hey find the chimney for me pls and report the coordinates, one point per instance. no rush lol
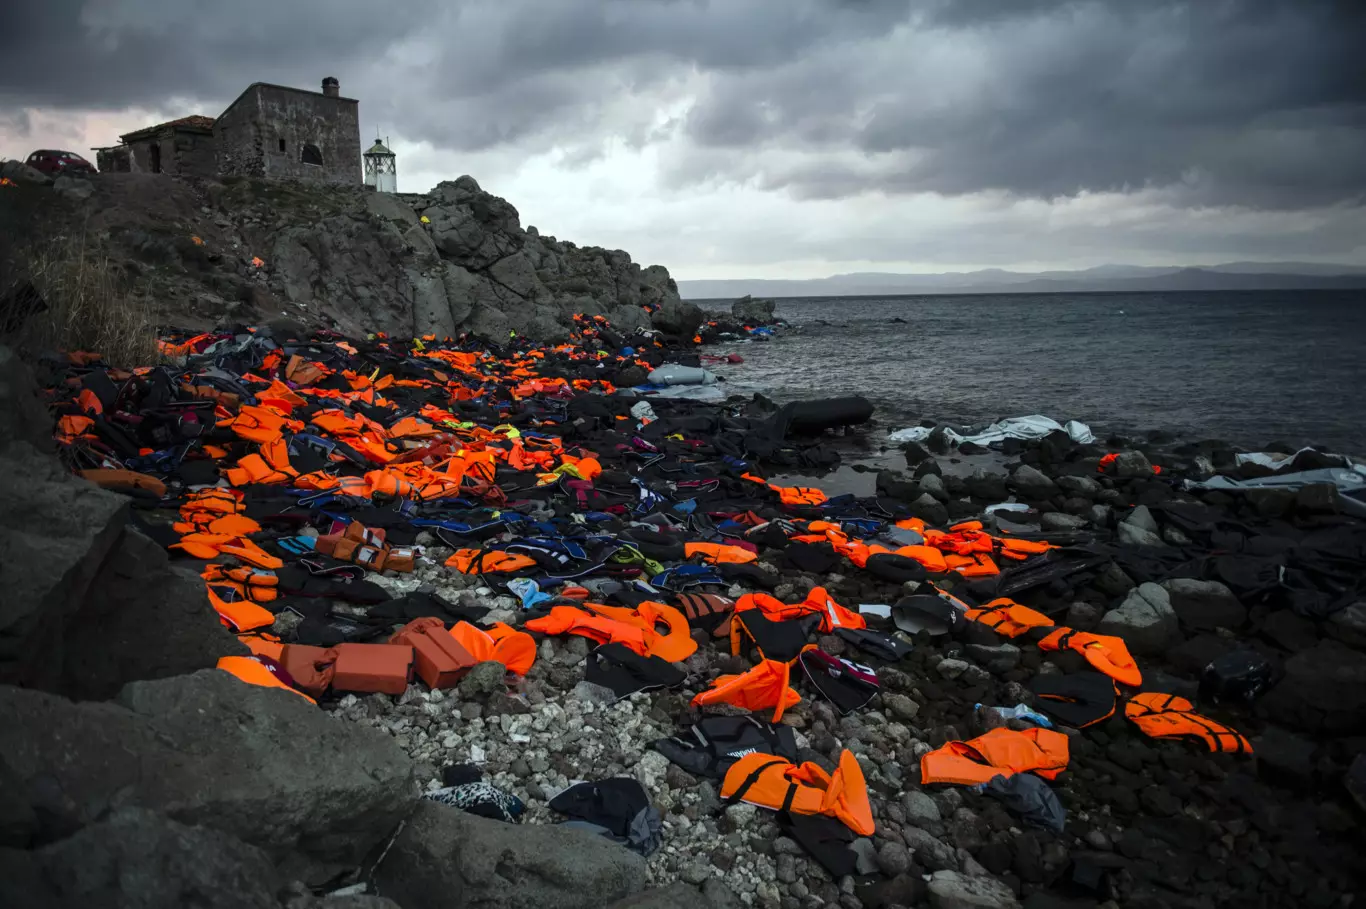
(331, 87)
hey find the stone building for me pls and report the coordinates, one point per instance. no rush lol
(269, 131)
(184, 146)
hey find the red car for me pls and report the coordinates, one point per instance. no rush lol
(54, 163)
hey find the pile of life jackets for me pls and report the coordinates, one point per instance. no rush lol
(297, 473)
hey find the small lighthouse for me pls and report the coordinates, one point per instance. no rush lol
(380, 170)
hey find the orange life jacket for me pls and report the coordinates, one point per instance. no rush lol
(490, 561)
(638, 629)
(719, 554)
(1105, 653)
(1007, 617)
(1000, 752)
(514, 649)
(235, 610)
(125, 479)
(776, 783)
(254, 672)
(817, 602)
(1163, 716)
(762, 687)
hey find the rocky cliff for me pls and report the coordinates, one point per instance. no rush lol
(455, 260)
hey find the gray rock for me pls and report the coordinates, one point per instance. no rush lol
(920, 808)
(1142, 518)
(752, 311)
(1099, 515)
(1083, 616)
(73, 189)
(1319, 498)
(893, 858)
(1132, 535)
(1348, 625)
(865, 855)
(1323, 690)
(1145, 620)
(900, 706)
(951, 668)
(674, 896)
(999, 659)
(988, 486)
(1085, 487)
(932, 485)
(142, 619)
(1112, 581)
(951, 890)
(482, 681)
(447, 859)
(260, 764)
(1032, 483)
(930, 510)
(135, 858)
(1205, 605)
(1056, 521)
(930, 852)
(74, 527)
(719, 895)
(23, 418)
(1132, 465)
(20, 172)
(677, 317)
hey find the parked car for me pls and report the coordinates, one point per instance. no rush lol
(54, 162)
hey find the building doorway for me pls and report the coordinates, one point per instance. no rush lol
(155, 151)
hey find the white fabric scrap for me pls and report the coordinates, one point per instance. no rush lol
(1035, 426)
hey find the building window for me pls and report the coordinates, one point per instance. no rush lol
(312, 155)
(282, 145)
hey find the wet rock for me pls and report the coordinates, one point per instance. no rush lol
(932, 485)
(1056, 521)
(915, 453)
(1132, 535)
(1032, 483)
(1143, 519)
(988, 486)
(209, 749)
(1113, 581)
(930, 510)
(1323, 689)
(1348, 625)
(444, 857)
(752, 311)
(1132, 464)
(951, 890)
(893, 859)
(1085, 487)
(1083, 616)
(938, 441)
(1145, 620)
(999, 659)
(1204, 605)
(677, 317)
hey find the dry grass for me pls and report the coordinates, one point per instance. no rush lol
(90, 305)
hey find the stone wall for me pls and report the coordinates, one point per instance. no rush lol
(274, 132)
(182, 152)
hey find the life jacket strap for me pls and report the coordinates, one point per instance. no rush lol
(753, 778)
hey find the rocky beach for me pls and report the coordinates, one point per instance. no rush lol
(384, 341)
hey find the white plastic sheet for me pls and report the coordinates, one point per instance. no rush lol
(1034, 426)
(1274, 459)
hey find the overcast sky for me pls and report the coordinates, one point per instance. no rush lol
(785, 138)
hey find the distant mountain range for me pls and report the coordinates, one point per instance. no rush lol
(1102, 278)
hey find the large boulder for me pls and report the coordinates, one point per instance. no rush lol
(951, 890)
(1348, 625)
(20, 172)
(1145, 620)
(73, 189)
(675, 896)
(263, 765)
(140, 860)
(1032, 483)
(1205, 605)
(22, 415)
(1323, 690)
(68, 528)
(141, 619)
(752, 311)
(677, 317)
(447, 859)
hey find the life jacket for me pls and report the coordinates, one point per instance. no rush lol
(931, 558)
(762, 687)
(125, 479)
(800, 495)
(1080, 699)
(235, 610)
(1106, 653)
(709, 611)
(1165, 716)
(254, 672)
(252, 583)
(211, 545)
(719, 554)
(514, 649)
(1009, 618)
(673, 644)
(817, 602)
(778, 784)
(635, 629)
(489, 561)
(972, 565)
(1000, 752)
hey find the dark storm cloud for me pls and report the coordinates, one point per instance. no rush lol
(1253, 102)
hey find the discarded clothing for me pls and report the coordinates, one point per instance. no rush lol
(1030, 798)
(845, 684)
(1106, 653)
(713, 743)
(619, 806)
(624, 672)
(763, 687)
(1080, 699)
(483, 799)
